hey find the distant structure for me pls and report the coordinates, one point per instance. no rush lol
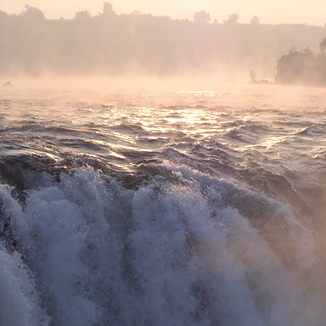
(7, 84)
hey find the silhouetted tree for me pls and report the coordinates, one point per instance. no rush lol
(137, 12)
(307, 51)
(300, 68)
(107, 9)
(3, 16)
(32, 13)
(80, 15)
(232, 19)
(202, 17)
(322, 44)
(255, 21)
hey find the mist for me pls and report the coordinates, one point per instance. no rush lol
(141, 45)
(153, 173)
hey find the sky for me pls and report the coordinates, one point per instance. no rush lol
(310, 12)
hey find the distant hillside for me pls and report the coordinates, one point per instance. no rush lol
(111, 44)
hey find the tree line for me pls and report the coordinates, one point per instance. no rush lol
(111, 44)
(303, 67)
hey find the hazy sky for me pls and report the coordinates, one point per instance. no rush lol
(310, 12)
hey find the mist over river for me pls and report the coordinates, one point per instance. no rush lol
(187, 206)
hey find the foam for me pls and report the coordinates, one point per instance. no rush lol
(188, 251)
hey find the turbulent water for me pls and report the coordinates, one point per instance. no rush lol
(180, 207)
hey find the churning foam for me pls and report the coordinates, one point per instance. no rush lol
(186, 249)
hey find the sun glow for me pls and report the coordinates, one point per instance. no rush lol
(268, 11)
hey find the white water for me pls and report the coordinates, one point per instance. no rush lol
(166, 254)
(206, 212)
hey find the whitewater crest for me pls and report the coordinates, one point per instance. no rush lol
(179, 248)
